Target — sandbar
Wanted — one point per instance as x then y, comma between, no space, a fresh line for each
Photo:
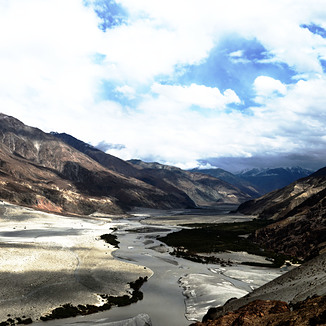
48,260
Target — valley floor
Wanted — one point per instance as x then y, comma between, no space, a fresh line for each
48,260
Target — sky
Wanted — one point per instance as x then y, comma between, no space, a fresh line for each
192,83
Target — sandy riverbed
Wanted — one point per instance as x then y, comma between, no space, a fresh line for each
178,287
48,260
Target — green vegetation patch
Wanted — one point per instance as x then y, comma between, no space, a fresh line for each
213,238
68,310
111,239
16,321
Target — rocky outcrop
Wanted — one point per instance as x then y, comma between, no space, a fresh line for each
25,183
311,311
302,235
109,161
284,202
125,168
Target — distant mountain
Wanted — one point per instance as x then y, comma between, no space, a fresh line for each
267,180
203,189
299,212
236,181
41,171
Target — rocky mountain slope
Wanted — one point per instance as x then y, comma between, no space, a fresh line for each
39,170
274,313
236,181
299,212
203,190
109,161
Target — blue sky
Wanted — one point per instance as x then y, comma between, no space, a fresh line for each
231,84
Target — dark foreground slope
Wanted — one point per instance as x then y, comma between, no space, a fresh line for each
39,170
310,312
294,288
202,189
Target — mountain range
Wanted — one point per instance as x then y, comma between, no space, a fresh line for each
269,179
257,182
233,179
59,173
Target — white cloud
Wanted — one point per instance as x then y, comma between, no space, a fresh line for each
49,78
45,59
307,98
236,54
192,33
295,122
158,37
237,57
162,130
126,91
199,95
268,87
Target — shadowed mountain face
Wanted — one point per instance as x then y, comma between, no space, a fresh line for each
202,189
299,211
242,184
59,173
257,182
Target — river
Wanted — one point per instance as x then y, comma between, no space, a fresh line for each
178,288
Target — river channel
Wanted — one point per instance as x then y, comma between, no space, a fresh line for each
179,291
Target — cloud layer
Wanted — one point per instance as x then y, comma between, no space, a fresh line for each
171,81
